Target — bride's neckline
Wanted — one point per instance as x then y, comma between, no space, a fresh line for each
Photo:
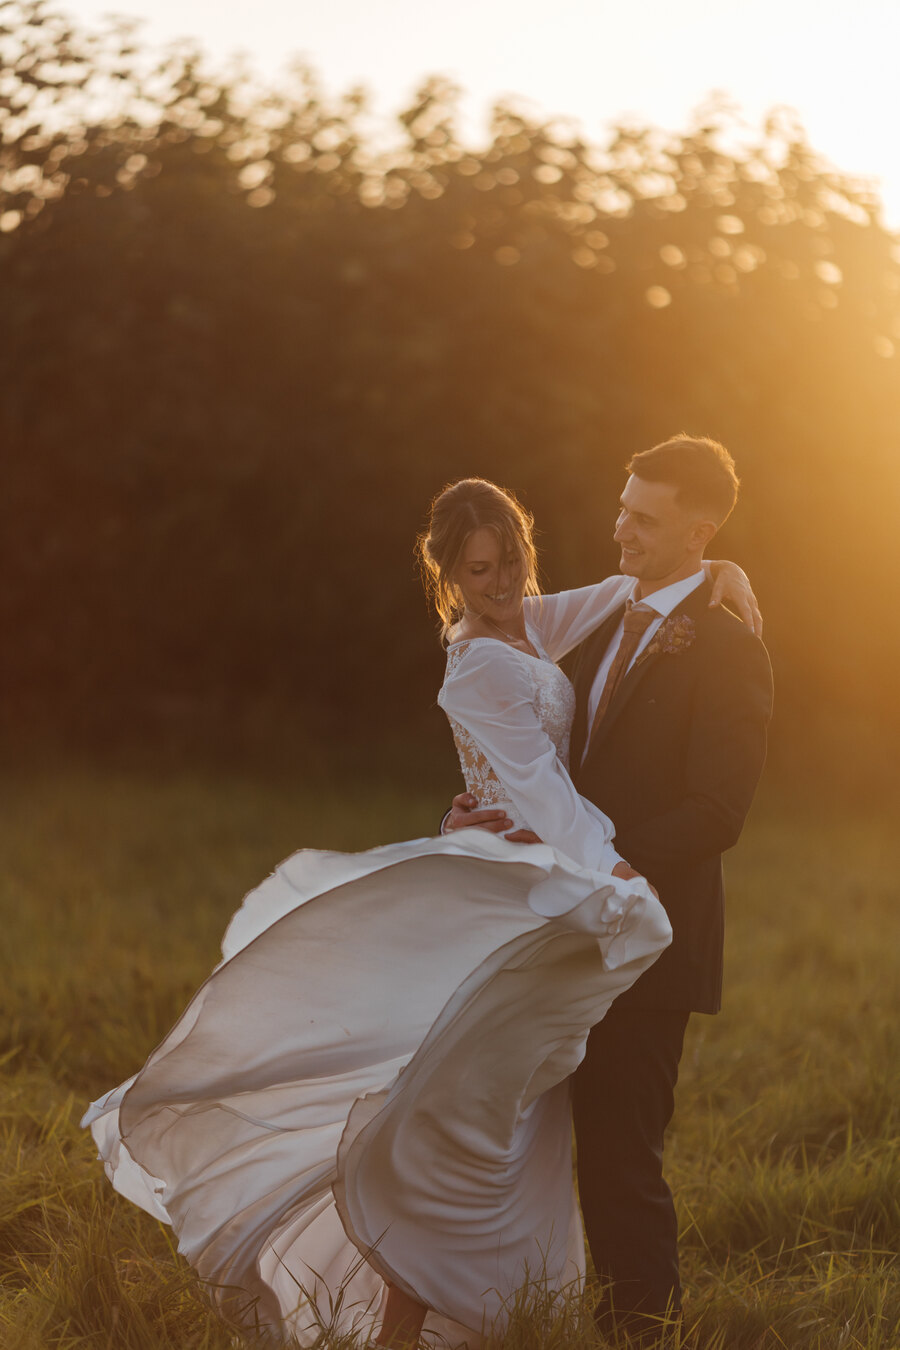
539,654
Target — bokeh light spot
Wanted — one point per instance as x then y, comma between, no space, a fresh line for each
730,225
829,272
672,255
747,257
657,297
547,173
253,175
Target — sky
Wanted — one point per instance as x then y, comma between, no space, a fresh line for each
591,60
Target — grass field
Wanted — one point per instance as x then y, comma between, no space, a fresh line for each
783,1154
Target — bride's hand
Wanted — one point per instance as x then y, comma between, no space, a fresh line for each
731,583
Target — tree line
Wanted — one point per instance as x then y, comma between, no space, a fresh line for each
242,347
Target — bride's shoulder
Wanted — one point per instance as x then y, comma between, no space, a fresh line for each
479,651
478,658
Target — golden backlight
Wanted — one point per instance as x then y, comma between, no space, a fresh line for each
586,59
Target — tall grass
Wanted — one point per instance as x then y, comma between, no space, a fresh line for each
783,1154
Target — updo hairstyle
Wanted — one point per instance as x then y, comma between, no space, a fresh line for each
456,512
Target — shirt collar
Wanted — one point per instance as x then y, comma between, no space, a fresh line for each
669,597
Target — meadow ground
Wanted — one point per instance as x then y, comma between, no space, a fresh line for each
783,1154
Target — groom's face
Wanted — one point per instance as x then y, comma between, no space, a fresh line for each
657,536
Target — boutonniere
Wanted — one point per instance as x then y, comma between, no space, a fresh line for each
671,638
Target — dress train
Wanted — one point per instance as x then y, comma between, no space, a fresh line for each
373,1084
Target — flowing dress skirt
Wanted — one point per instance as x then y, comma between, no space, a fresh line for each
373,1084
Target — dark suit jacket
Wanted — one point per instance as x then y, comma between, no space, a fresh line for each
675,764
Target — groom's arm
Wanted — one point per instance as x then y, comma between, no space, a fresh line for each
725,756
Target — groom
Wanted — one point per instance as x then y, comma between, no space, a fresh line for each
669,739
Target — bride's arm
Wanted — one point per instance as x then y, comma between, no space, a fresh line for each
490,695
565,618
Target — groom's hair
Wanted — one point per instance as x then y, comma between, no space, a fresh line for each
699,468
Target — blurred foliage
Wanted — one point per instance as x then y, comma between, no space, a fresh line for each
242,346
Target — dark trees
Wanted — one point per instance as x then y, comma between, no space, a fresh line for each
241,350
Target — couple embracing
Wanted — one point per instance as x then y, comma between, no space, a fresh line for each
363,1118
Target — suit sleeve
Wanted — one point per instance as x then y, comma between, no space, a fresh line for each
725,757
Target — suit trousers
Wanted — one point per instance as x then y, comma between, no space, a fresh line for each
623,1099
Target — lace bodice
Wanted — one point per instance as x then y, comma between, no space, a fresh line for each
554,706
511,716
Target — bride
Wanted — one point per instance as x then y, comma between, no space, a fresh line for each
361,1120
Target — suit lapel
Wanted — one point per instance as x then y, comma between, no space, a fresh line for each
695,607
590,656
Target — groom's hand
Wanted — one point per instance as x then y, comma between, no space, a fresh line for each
464,813
626,872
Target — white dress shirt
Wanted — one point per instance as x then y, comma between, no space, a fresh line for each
662,602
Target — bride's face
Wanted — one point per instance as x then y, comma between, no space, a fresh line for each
490,576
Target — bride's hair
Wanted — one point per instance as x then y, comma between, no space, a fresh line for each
456,512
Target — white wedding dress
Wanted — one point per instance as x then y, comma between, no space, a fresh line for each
373,1082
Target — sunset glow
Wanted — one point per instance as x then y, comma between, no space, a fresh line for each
585,59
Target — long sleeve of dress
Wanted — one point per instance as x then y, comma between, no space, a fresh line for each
563,620
490,694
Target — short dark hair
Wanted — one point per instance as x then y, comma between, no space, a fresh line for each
701,469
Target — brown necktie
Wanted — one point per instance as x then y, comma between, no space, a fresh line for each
637,621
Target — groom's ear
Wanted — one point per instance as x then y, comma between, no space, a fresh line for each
702,533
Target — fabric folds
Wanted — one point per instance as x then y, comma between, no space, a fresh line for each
372,1084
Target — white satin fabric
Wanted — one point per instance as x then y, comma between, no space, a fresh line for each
373,1083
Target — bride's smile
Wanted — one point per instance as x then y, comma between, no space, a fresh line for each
491,578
